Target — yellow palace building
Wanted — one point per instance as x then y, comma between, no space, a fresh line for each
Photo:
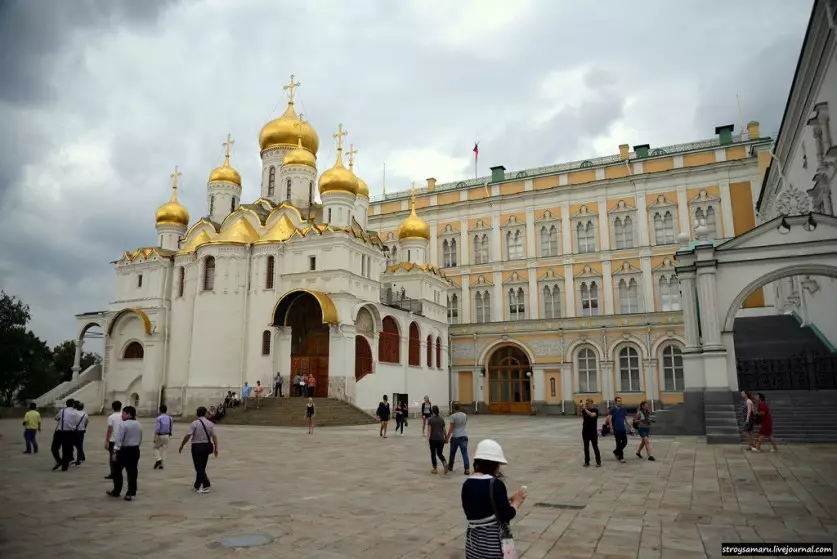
562,277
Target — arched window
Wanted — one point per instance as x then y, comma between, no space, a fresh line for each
514,245
438,353
551,301
414,354
517,304
271,181
453,309
673,369
429,351
288,190
589,299
181,281
549,241
619,233
134,350
588,377
629,373
209,273
586,237
310,193
445,253
268,280
389,342
453,257
266,342
711,223
628,296
669,293
232,204
627,233
482,305
552,387
480,249
395,255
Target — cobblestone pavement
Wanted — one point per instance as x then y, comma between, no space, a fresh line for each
345,492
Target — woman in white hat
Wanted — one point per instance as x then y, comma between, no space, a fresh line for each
487,505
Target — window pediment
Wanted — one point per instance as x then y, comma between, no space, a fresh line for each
667,265
622,207
513,223
589,272
661,202
584,213
515,279
627,269
480,226
449,231
704,197
551,276
548,217
481,281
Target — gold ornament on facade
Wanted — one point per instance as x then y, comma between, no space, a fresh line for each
299,155
173,212
225,173
338,178
362,187
413,227
239,233
282,131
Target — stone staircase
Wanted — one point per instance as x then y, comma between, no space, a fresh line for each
801,417
56,396
721,424
290,412
772,337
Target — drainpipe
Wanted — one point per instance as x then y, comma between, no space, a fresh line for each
450,376
166,297
478,376
244,319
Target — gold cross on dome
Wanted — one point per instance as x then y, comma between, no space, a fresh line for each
290,88
299,122
351,153
227,145
339,135
175,176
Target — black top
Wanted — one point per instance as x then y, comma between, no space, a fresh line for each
589,423
383,411
437,428
309,410
399,410
476,501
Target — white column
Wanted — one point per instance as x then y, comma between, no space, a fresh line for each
566,228
606,381
683,211
530,233
652,390
434,247
282,352
644,239
465,301
647,284
690,312
607,280
497,303
77,359
604,229
726,210
569,292
567,392
710,326
464,244
496,253
534,308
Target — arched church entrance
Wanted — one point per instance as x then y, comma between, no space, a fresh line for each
509,385
363,357
308,314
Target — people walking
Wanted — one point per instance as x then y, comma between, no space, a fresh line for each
400,417
277,385
31,428
62,439
114,421
204,443
297,385
436,439
126,453
303,386
616,420
245,394
748,413
383,413
488,507
163,429
259,393
644,419
312,386
426,412
79,432
765,423
590,432
458,437
310,413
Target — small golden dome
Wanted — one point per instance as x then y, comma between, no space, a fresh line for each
362,187
173,212
338,178
413,227
300,156
283,132
225,173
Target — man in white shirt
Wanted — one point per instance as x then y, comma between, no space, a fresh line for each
78,434
114,421
63,438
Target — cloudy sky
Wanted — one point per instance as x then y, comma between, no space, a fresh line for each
99,99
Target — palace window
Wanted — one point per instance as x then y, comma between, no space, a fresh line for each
438,353
589,299
414,353
209,273
310,194
514,245
481,249
664,228
312,263
551,301
271,181
628,296
482,306
266,342
271,264
181,281
389,342
623,230
449,253
329,215
549,241
709,217
552,387
453,309
134,351
673,369
517,304
586,233
669,293
429,351
629,373
587,371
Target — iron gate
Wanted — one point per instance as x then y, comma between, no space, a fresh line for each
801,372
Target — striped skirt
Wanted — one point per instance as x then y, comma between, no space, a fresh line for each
482,540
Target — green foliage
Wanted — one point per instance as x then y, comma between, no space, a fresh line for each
63,357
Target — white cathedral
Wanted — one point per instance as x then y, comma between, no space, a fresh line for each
285,284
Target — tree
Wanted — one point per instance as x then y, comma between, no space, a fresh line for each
64,355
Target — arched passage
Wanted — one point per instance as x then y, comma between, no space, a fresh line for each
509,386
308,314
363,357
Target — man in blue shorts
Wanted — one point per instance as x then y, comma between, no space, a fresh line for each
616,420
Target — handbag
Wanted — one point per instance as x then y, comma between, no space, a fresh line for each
208,438
506,538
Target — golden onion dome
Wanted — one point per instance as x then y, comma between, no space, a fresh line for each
225,173
338,178
413,227
283,132
300,156
362,187
173,212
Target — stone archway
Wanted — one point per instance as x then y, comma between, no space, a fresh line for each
509,373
